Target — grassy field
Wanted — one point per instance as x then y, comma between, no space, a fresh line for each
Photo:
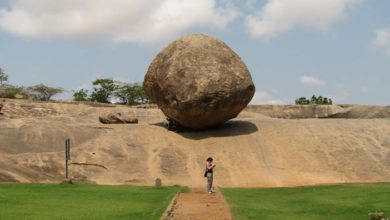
344,202
66,201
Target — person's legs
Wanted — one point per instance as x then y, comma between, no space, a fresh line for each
209,182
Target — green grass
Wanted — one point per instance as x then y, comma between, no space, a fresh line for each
344,202
67,201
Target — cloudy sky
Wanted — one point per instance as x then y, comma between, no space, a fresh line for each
293,48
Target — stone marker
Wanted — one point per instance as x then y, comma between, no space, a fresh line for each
158,183
199,82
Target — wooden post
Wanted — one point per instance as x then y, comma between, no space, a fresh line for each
67,156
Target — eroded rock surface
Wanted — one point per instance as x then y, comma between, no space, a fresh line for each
118,118
199,82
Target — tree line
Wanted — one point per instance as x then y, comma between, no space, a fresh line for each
105,90
314,100
37,92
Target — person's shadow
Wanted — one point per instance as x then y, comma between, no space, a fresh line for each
227,129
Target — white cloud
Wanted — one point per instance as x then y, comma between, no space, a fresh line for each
312,81
250,4
382,39
279,16
116,21
263,97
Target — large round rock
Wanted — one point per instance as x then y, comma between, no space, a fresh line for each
199,82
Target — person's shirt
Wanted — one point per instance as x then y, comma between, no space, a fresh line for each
209,167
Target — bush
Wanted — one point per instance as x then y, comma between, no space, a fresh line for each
80,95
377,216
12,92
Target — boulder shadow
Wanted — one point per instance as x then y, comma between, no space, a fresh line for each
228,129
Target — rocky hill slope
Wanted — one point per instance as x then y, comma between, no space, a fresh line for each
251,150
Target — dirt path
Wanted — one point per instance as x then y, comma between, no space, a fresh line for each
198,204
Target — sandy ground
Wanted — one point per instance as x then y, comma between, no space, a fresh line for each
252,150
199,205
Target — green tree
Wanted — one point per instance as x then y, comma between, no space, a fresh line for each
103,90
320,100
3,77
326,101
43,92
313,99
302,101
131,94
80,95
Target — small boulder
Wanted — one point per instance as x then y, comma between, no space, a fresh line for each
118,118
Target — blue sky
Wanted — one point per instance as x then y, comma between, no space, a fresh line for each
293,48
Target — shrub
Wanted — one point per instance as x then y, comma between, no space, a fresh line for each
80,95
12,92
377,216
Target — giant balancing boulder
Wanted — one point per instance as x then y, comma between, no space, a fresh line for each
199,82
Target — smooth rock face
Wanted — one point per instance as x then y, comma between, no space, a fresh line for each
199,82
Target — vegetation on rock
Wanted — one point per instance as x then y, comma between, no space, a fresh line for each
131,94
320,100
80,95
43,92
3,77
40,92
107,90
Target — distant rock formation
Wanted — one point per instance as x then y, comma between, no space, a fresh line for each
321,111
118,118
363,111
199,82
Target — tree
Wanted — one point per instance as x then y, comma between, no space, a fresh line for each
43,92
103,90
131,93
326,101
80,95
302,101
313,99
3,77
320,100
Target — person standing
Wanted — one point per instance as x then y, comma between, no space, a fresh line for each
209,174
